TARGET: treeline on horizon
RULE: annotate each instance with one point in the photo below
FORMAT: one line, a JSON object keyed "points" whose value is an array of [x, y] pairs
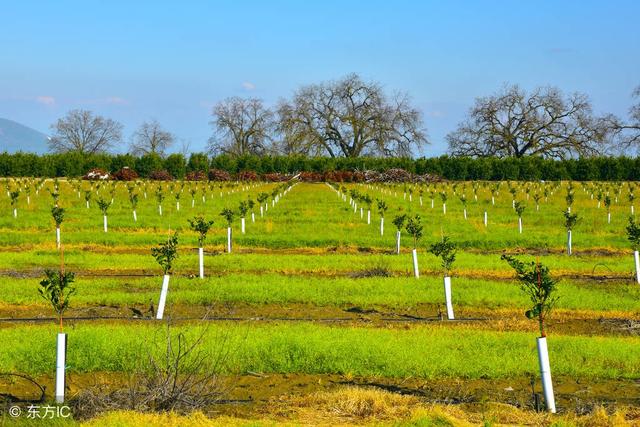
{"points": [[451, 168]]}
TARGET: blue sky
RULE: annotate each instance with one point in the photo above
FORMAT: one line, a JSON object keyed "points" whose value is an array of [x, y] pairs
{"points": [[136, 60]]}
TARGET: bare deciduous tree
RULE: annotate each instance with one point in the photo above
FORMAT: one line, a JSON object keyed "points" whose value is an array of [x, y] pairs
{"points": [[150, 138], [628, 133], [543, 123], [85, 133], [241, 126], [350, 118]]}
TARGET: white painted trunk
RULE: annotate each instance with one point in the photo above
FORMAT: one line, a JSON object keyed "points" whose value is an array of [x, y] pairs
{"points": [[368, 217], [431, 203], [87, 204], [201, 257], [15, 212], [444, 208], [485, 218], [569, 242], [636, 258], [58, 237], [493, 200], [420, 200], [261, 212], [193, 202], [416, 271], [104, 222], [382, 226], [253, 217], [61, 360], [160, 209], [228, 240], [361, 213], [163, 297], [242, 225], [520, 224], [608, 217], [411, 197], [465, 213], [177, 206], [447, 297], [545, 374], [398, 242], [135, 216]]}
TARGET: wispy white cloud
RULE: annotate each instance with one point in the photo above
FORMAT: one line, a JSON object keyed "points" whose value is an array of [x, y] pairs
{"points": [[45, 100], [248, 86], [115, 100]]}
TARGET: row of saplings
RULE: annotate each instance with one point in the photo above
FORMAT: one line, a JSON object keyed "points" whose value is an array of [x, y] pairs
{"points": [[57, 288], [533, 277], [413, 227]]}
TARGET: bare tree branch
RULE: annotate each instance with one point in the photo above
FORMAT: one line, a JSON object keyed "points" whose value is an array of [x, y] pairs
{"points": [[84, 133], [150, 138]]}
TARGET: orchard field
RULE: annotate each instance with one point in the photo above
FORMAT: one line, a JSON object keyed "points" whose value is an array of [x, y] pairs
{"points": [[313, 305]]}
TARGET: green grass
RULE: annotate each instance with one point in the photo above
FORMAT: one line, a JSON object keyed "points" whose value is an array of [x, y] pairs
{"points": [[423, 352]]}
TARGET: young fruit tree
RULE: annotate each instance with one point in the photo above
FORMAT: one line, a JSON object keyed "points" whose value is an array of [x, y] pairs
{"points": [[463, 200], [243, 208], [56, 289], [536, 281], [446, 250], [519, 207], [414, 228], [252, 204], [200, 226], [165, 254], [398, 221], [133, 199], [633, 234], [570, 220], [262, 198], [368, 201], [382, 208], [228, 215], [87, 197], [14, 202], [607, 204], [443, 197], [159, 198], [58, 216], [104, 208]]}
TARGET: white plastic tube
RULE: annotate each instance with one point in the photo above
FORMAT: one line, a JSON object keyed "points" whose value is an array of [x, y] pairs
{"points": [[569, 242], [447, 297], [545, 374], [261, 212], [163, 297], [135, 216], [104, 222], [416, 271], [485, 218], [444, 208], [368, 217], [382, 226], [228, 240], [520, 224], [177, 206], [58, 237], [61, 357], [242, 225], [253, 217], [465, 213], [636, 257], [201, 256], [15, 212], [160, 209], [398, 242]]}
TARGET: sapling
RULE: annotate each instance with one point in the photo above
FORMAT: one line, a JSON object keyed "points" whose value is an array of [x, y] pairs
{"points": [[177, 197], [631, 196], [443, 197], [536, 281], [398, 221], [368, 201], [446, 250], [251, 205], [463, 200], [133, 199], [104, 207], [87, 197], [607, 204], [159, 198], [570, 220], [513, 191], [228, 215], [200, 226], [14, 201], [536, 198], [569, 199], [57, 290], [58, 216], [414, 228], [243, 208], [165, 254], [519, 208], [633, 234], [382, 208], [262, 198]]}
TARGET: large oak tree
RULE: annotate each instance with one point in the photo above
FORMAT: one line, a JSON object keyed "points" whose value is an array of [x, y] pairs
{"points": [[83, 132], [241, 126], [349, 118], [543, 123], [151, 138]]}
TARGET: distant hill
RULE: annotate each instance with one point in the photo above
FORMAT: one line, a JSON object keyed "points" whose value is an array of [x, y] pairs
{"points": [[16, 137]]}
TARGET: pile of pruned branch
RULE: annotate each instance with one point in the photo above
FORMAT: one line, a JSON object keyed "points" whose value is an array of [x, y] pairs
{"points": [[399, 175]]}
